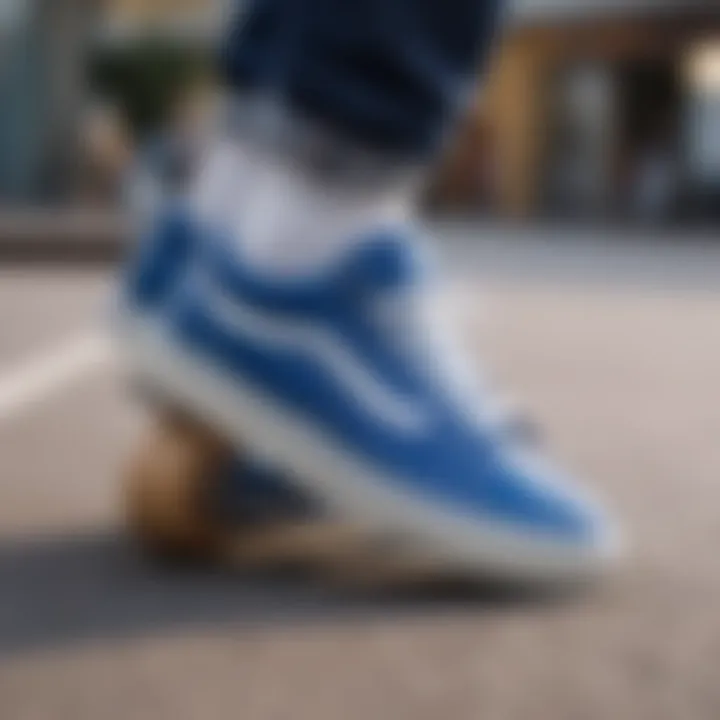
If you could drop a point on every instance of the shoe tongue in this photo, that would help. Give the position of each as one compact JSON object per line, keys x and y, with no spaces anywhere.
{"x":387,"y":261}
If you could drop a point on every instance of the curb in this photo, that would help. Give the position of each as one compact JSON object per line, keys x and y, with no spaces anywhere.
{"x":31,"y":236}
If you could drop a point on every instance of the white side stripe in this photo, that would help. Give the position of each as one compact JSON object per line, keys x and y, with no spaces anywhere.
{"x":384,"y":404}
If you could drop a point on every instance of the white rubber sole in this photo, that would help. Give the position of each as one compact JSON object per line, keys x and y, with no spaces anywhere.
{"x":452,"y":540}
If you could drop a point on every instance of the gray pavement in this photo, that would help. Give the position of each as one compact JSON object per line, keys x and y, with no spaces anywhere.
{"x":615,"y":347}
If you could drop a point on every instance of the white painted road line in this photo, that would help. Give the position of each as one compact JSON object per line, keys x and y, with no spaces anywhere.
{"x":47,"y":373}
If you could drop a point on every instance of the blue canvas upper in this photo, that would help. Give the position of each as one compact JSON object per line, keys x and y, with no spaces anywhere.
{"x":468,"y":467}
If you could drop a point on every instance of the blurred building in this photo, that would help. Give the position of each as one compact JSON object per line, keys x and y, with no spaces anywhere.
{"x":42,"y":91}
{"x":196,"y":21}
{"x":595,"y":108}
{"x":45,"y":47}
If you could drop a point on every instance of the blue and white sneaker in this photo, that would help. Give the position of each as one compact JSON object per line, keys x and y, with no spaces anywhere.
{"x":343,"y":381}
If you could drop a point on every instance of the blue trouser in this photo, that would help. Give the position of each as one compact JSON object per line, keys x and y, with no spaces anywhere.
{"x":388,"y":74}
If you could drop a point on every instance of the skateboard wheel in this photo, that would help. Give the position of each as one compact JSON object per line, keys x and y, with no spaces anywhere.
{"x":167,"y":486}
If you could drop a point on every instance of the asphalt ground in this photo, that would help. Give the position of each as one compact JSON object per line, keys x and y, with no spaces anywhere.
{"x":616,"y":349}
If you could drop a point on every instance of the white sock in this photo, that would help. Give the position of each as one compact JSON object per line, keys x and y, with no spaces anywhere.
{"x":283,"y":220}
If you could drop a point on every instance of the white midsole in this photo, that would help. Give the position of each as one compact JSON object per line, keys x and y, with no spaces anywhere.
{"x":247,"y":418}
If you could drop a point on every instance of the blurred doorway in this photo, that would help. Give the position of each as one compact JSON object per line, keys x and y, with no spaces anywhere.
{"x":701,"y":132}
{"x":581,"y":128}
{"x":649,"y":122}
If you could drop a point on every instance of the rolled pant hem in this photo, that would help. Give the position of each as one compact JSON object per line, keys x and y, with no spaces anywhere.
{"x":270,"y":123}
